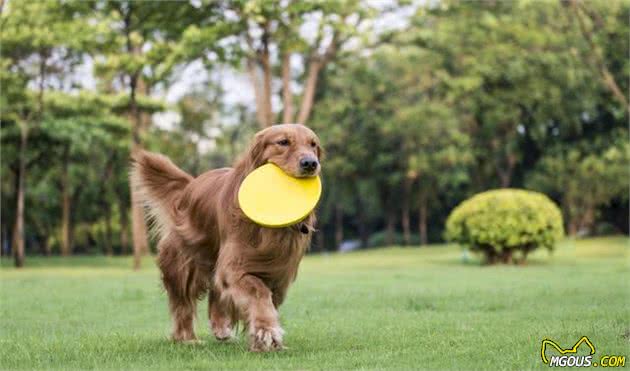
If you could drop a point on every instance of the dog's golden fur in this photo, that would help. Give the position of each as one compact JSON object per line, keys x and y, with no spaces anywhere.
{"x":208,"y":246}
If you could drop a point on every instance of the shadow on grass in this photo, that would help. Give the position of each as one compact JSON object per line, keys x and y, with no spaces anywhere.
{"x":208,"y":350}
{"x":479,"y":263}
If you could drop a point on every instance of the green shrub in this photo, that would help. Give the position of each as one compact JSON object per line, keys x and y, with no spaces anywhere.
{"x":505,"y":225}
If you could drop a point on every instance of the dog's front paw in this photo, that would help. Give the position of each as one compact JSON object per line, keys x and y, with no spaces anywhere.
{"x":266,"y":339}
{"x":187,"y":340}
{"x":222,"y":332}
{"x":184,"y":337}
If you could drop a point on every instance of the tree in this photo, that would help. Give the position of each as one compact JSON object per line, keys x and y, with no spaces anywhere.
{"x":35,"y":47}
{"x":362,"y":165}
{"x":43,"y":220}
{"x":199,"y":116}
{"x":600,"y":31}
{"x":435,"y":151}
{"x":266,"y":36}
{"x":584,"y":176}
{"x":512,"y":92}
{"x":82,"y":124}
{"x":139,"y":51}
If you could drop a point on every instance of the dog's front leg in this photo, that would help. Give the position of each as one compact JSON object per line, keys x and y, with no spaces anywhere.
{"x":220,"y":318}
{"x":254,"y":301}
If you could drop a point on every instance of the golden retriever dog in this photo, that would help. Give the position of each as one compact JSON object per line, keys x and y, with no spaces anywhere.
{"x":208,"y":246}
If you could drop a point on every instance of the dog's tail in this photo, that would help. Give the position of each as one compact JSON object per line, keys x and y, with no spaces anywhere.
{"x":157,"y":184}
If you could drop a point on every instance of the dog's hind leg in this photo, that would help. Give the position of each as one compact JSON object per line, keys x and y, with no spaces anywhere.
{"x":183,"y":319}
{"x":182,"y":286}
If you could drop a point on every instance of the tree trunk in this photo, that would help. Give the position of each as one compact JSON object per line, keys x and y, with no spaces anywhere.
{"x":287,"y":95}
{"x":567,"y":215}
{"x":422,"y":219}
{"x":490,"y":256}
{"x":65,"y":204}
{"x":124,"y":227}
{"x":587,"y":219}
{"x":267,"y":78}
{"x":506,"y":256}
{"x":390,"y":228}
{"x":139,"y":231}
{"x":505,"y":180}
{"x":18,"y":229}
{"x":338,"y":226}
{"x":140,"y":244}
{"x":45,"y":246}
{"x":309,"y":90}
{"x":316,"y":63}
{"x":261,"y":117}
{"x":404,"y":220}
{"x":505,"y":173}
{"x":65,"y":225}
{"x":320,"y":240}
{"x":108,"y":232}
{"x":573,"y":211}
{"x":262,"y":91}
{"x":404,"y":216}
{"x":3,"y":239}
{"x":572,"y":227}
{"x":364,"y":233}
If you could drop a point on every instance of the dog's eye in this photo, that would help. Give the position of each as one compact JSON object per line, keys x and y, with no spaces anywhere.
{"x":283,"y":142}
{"x":313,"y":144}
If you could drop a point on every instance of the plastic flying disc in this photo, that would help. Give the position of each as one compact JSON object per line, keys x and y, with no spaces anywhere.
{"x":271,"y":198}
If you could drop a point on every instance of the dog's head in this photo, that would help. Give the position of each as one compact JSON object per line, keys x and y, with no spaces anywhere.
{"x":292,"y":147}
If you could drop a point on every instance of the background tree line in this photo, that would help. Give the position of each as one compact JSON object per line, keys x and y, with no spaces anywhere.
{"x":418,"y":105}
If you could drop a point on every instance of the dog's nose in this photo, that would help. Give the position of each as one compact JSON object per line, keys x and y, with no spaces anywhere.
{"x":308,"y":164}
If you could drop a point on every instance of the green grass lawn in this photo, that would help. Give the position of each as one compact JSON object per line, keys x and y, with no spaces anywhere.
{"x":398,"y":308}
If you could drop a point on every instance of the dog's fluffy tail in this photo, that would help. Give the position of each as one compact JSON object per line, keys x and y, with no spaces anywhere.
{"x":158,"y":184}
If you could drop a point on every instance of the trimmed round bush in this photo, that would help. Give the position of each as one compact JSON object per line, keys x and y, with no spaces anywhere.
{"x":506,"y":224}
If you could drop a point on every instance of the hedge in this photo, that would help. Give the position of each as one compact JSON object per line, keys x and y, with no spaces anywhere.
{"x":505,"y":225}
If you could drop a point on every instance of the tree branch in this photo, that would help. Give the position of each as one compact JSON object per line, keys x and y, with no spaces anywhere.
{"x":253,"y":61}
{"x":595,"y":56}
{"x":253,"y":76}
{"x":267,"y":75}
{"x":316,"y":63}
{"x":287,"y":95}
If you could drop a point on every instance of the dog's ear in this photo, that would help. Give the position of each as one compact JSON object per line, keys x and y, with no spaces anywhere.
{"x":320,"y":152}
{"x":257,"y":150}
{"x":308,"y":225}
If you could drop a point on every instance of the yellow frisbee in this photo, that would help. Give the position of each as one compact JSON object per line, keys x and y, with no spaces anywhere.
{"x":271,"y":198}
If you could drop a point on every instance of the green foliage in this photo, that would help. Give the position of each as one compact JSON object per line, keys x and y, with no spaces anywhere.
{"x":585,"y":175}
{"x":140,"y":38}
{"x":35,"y":45}
{"x":469,"y":96}
{"x":416,"y":144}
{"x":503,"y":222}
{"x":362,"y":167}
{"x":222,"y":38}
{"x":520,"y":75}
